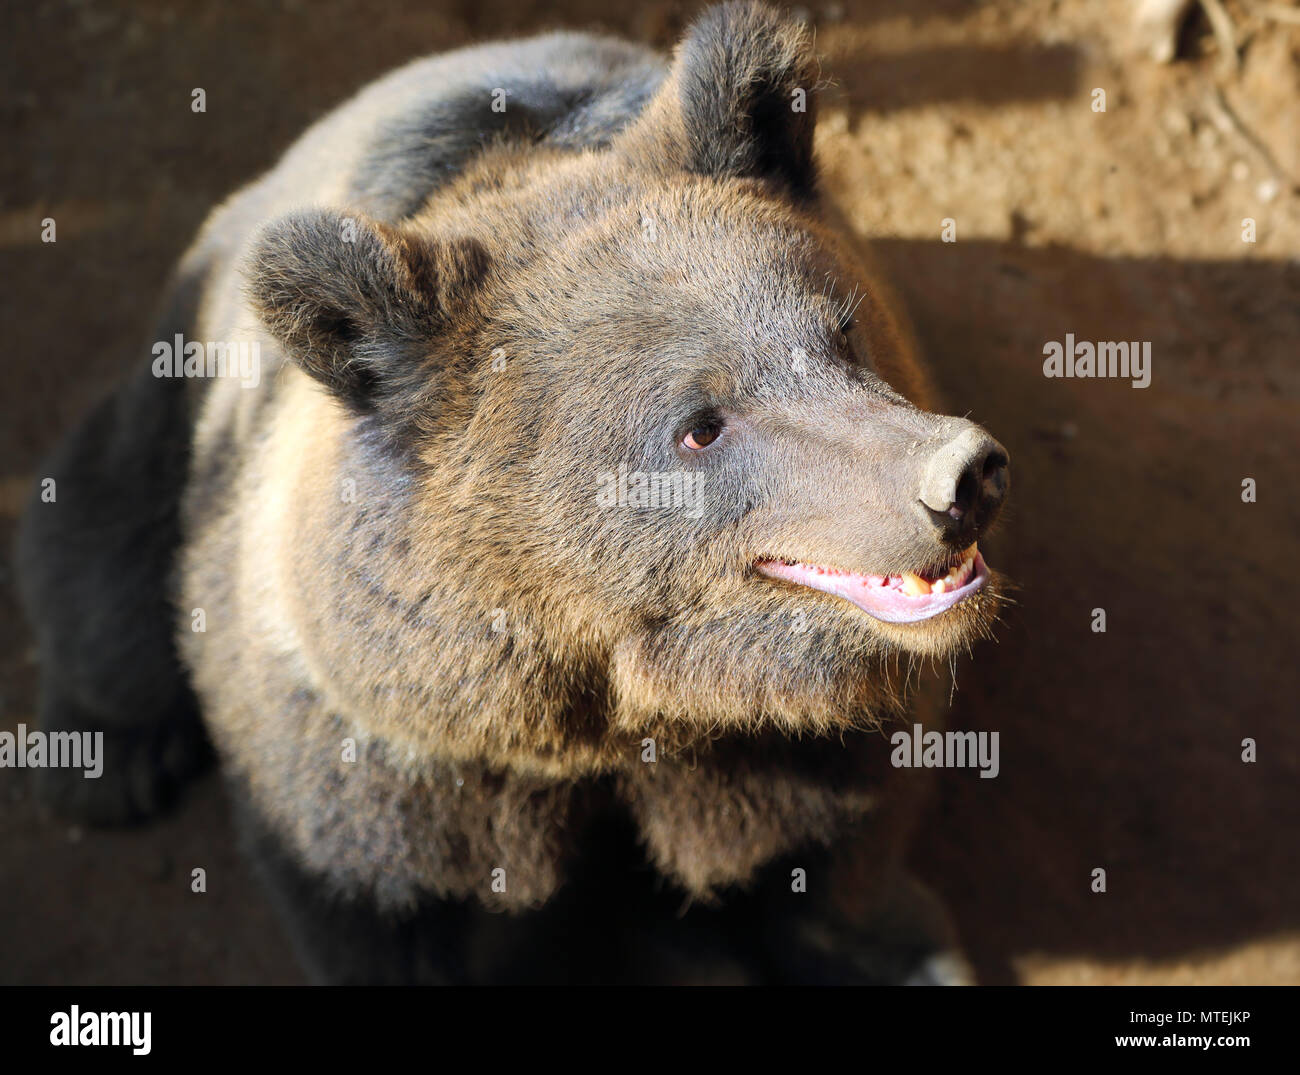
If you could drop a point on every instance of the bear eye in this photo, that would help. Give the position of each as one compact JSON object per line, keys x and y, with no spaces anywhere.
{"x":702,"y":434}
{"x":842,"y":331}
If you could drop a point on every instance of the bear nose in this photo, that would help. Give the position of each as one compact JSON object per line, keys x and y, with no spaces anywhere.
{"x":965,"y":483}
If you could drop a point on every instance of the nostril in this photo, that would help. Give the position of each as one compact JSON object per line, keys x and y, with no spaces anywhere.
{"x":993,"y":486}
{"x":964,"y":498}
{"x":995,"y":461}
{"x":964,"y":481}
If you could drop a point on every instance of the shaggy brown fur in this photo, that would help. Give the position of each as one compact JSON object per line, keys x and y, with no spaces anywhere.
{"x":395,"y":538}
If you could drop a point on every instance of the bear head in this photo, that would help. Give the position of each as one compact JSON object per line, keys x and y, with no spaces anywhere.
{"x":648,"y":399}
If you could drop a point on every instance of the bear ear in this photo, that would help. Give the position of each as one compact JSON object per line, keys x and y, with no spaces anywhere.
{"x":739,"y":101}
{"x":356,"y":303}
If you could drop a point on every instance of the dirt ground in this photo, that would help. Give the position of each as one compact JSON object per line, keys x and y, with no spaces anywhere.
{"x":1119,"y":750}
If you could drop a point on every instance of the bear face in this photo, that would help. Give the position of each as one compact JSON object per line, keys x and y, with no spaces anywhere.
{"x":647,"y":403}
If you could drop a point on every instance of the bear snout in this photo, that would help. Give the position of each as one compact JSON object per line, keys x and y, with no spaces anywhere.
{"x":964,"y":484}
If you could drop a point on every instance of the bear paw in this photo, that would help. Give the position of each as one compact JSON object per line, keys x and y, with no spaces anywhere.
{"x":142,"y":767}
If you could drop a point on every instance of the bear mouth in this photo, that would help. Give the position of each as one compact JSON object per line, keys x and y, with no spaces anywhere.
{"x":905,"y":598}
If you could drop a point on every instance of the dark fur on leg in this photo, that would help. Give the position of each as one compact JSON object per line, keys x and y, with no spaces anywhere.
{"x":95,"y":571}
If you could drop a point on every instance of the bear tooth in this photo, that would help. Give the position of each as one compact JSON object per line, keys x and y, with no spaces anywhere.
{"x":914,"y":585}
{"x":939,"y":586}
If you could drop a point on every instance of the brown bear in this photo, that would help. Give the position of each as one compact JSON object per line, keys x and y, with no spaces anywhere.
{"x":545,"y":580}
